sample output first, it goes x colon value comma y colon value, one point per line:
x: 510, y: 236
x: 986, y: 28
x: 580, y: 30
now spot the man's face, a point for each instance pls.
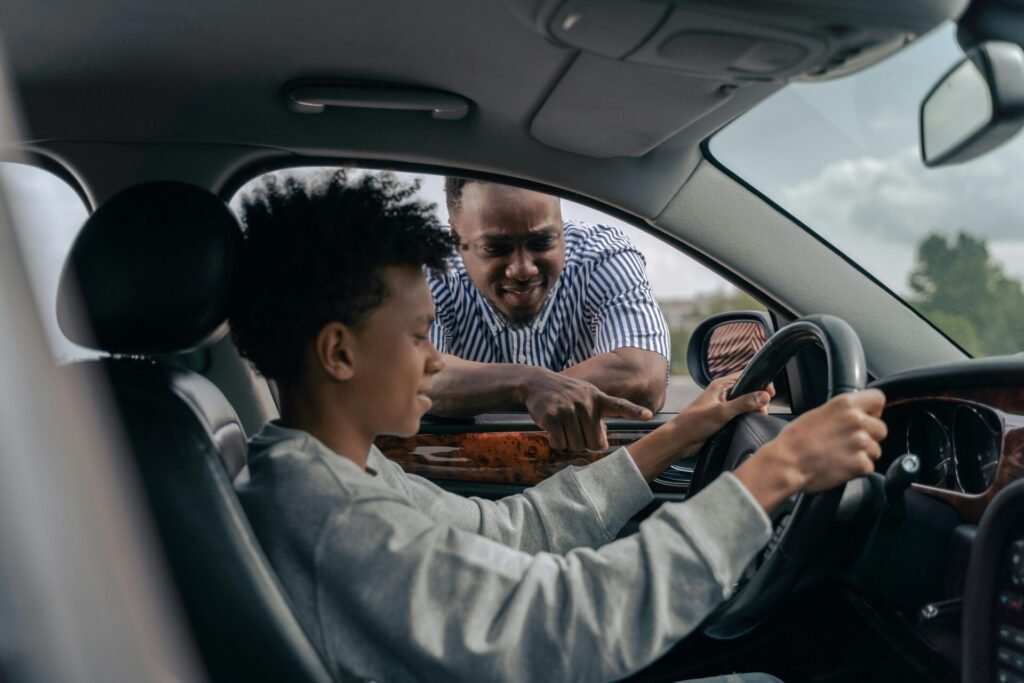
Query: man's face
x: 512, y: 244
x: 396, y: 360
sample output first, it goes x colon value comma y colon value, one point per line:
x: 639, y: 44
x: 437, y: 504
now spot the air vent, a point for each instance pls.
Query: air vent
x: 678, y: 475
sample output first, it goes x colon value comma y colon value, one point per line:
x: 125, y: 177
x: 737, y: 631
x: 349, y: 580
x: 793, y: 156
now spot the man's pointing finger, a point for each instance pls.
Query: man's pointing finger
x: 611, y: 406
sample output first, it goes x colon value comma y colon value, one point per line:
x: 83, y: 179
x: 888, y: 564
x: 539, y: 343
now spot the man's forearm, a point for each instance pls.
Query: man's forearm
x: 466, y: 387
x: 634, y: 374
x: 570, y: 410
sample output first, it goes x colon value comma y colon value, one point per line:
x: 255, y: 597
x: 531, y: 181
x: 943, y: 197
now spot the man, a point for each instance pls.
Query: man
x: 394, y: 579
x: 553, y: 317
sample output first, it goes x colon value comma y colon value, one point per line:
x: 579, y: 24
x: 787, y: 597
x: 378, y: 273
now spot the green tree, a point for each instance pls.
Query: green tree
x: 679, y: 338
x: 957, y: 285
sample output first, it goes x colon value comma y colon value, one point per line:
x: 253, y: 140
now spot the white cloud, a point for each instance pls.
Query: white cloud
x: 877, y: 209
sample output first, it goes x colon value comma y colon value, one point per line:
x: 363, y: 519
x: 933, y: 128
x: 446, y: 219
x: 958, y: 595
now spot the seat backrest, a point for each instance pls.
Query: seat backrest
x: 151, y: 270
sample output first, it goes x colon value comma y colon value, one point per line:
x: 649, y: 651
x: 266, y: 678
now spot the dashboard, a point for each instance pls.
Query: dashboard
x: 958, y: 442
x: 965, y: 421
x: 993, y: 627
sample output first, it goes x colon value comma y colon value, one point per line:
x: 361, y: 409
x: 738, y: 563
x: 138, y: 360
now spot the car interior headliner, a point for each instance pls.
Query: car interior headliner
x: 606, y: 98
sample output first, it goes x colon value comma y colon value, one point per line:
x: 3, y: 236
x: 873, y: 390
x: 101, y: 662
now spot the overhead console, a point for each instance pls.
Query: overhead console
x: 676, y: 62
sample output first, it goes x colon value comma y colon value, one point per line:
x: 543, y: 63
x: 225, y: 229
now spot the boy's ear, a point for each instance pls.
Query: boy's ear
x: 335, y: 350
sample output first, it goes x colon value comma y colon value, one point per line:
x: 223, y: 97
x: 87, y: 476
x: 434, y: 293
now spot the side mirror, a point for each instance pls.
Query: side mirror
x: 725, y: 343
x: 977, y: 106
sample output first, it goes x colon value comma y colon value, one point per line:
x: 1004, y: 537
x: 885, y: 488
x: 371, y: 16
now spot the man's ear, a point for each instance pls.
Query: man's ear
x: 455, y: 234
x: 335, y: 350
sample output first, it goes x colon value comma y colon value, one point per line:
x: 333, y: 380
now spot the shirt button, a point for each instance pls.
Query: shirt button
x: 522, y: 358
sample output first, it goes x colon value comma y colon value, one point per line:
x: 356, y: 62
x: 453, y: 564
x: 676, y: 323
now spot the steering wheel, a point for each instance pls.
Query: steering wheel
x: 800, y: 524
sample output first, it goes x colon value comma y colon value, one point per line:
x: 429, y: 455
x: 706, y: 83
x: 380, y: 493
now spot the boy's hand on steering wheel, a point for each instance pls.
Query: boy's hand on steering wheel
x: 712, y: 410
x: 681, y: 436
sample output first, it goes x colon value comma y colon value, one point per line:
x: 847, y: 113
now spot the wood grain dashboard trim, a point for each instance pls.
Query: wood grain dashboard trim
x: 523, y: 458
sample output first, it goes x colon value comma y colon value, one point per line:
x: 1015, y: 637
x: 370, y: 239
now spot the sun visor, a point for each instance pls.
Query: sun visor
x: 606, y: 108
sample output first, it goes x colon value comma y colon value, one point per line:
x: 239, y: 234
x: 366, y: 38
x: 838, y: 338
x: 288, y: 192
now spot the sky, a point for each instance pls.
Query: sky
x: 841, y: 156
x: 853, y: 171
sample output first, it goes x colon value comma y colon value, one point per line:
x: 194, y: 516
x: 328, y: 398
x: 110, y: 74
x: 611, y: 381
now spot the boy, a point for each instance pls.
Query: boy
x: 395, y: 579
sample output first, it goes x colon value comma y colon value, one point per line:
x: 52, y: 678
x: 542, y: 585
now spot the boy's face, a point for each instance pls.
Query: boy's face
x: 397, y: 361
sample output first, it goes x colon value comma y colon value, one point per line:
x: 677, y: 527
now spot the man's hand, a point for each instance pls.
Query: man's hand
x: 819, y: 450
x: 712, y: 410
x: 571, y: 410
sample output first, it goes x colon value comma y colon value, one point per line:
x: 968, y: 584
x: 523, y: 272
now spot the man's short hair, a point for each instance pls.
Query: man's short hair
x: 313, y: 254
x: 453, y: 187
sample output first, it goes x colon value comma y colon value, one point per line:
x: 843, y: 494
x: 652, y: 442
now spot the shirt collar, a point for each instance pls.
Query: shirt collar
x: 273, y: 432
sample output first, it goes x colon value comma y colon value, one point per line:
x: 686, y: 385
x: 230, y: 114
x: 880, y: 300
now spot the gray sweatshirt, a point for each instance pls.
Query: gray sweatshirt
x: 395, y: 579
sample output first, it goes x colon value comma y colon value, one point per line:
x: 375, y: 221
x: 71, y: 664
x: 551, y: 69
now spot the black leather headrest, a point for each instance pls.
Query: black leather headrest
x: 153, y: 267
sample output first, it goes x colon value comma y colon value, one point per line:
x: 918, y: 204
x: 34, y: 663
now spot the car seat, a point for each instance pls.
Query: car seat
x: 148, y: 275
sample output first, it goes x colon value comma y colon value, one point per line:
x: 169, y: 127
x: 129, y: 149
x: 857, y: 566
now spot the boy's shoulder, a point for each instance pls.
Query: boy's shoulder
x: 295, y: 470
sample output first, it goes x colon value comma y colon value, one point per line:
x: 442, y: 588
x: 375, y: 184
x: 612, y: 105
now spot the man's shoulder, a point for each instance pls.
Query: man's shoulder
x: 590, y: 242
x: 450, y: 286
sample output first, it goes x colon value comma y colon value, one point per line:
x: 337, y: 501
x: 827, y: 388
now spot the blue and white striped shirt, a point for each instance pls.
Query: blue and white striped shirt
x: 601, y: 302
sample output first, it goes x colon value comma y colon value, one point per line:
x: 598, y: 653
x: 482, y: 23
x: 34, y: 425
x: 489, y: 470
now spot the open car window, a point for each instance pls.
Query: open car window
x: 686, y: 291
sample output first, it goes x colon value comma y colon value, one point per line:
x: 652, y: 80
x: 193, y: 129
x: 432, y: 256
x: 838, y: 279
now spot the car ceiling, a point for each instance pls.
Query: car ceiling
x: 624, y: 127
x: 116, y: 93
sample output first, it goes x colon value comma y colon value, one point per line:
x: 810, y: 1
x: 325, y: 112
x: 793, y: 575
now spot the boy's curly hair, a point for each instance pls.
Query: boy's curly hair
x: 313, y: 253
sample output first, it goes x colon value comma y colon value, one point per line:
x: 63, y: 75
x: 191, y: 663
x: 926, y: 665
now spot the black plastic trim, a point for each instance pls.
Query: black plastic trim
x: 980, y: 372
x: 1004, y: 514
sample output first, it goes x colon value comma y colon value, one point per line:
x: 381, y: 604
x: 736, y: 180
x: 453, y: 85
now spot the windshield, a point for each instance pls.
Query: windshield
x: 842, y: 157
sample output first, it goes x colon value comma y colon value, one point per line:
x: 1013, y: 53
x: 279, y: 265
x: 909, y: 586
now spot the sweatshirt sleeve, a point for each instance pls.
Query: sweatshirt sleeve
x: 400, y: 597
x: 577, y: 507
